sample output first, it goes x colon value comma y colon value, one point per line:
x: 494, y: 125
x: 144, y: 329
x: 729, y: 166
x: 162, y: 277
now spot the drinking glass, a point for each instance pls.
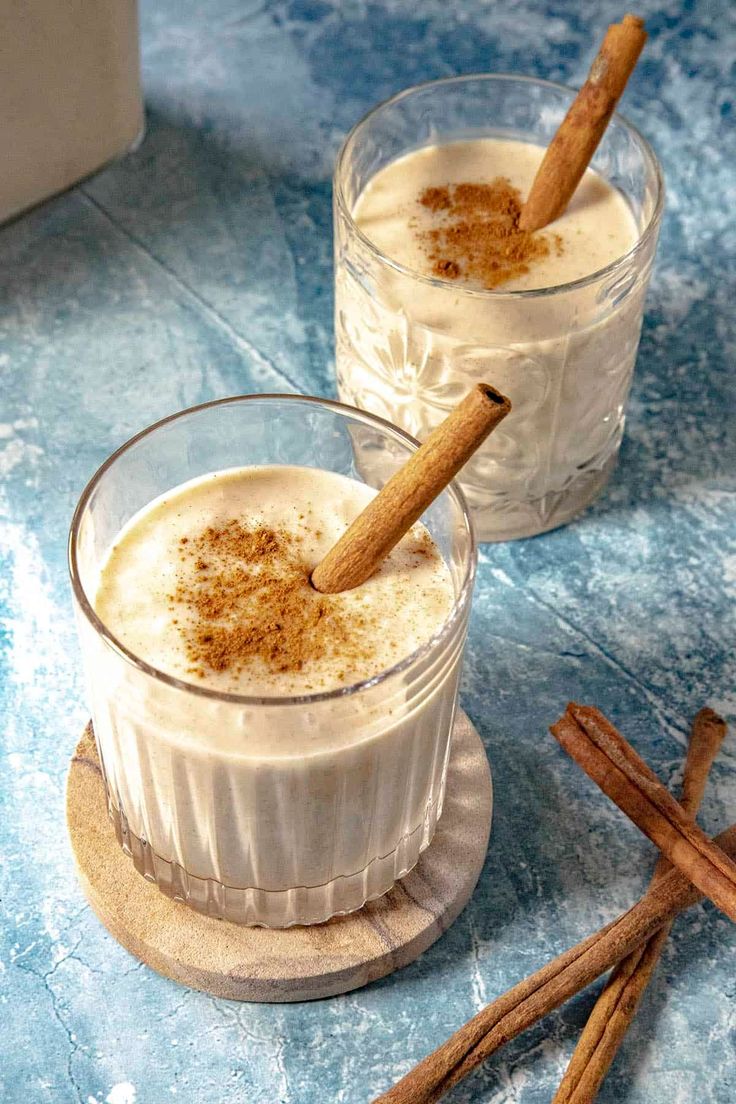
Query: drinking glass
x: 203, y: 787
x: 409, y: 346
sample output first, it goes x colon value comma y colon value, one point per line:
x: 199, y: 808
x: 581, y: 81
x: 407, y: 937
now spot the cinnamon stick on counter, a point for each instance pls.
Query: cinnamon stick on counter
x: 530, y: 1000
x: 612, y: 763
x: 408, y: 493
x: 619, y: 1000
x: 568, y: 154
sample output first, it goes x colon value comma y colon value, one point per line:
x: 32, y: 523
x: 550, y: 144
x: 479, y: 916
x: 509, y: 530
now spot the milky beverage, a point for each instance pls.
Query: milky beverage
x: 210, y: 585
x: 596, y: 228
x: 409, y: 344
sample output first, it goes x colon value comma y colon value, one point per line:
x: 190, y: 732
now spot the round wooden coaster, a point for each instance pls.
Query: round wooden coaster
x: 258, y: 964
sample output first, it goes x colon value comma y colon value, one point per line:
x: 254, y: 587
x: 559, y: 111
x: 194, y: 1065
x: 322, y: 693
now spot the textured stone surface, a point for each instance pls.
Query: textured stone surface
x: 201, y: 266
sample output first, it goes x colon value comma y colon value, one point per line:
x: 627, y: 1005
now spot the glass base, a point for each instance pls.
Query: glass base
x: 301, y: 905
x: 512, y: 520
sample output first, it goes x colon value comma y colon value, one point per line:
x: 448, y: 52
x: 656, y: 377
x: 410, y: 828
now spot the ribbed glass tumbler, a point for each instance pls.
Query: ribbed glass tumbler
x: 409, y: 346
x: 203, y: 788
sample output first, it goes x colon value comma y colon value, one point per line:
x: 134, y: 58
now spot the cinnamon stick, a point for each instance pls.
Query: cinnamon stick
x: 612, y: 763
x: 530, y: 1000
x: 619, y: 1000
x: 570, y: 151
x: 370, y: 538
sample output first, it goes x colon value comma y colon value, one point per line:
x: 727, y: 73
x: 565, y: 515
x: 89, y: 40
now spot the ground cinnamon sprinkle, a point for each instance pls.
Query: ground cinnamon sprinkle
x: 243, y: 595
x: 478, y: 235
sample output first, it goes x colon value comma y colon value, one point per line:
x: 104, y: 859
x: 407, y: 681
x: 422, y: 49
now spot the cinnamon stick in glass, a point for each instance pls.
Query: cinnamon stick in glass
x: 612, y: 763
x: 619, y: 1000
x: 570, y: 151
x: 540, y: 994
x: 385, y: 520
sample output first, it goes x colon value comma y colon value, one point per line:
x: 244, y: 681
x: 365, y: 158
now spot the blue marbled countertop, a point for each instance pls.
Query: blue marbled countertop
x: 199, y: 267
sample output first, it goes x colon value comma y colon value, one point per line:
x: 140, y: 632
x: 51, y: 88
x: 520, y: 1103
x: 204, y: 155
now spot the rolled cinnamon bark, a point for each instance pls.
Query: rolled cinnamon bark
x: 568, y: 154
x: 617, y: 1004
x: 548, y: 988
x: 370, y: 538
x: 612, y: 763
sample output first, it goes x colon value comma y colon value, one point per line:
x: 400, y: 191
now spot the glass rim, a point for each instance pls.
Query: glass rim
x: 460, y: 601
x: 489, y: 293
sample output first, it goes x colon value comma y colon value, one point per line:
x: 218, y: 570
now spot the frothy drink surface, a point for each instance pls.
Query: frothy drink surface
x: 396, y: 212
x: 211, y: 584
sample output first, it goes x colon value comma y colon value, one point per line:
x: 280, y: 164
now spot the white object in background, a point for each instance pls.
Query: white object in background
x: 70, y: 93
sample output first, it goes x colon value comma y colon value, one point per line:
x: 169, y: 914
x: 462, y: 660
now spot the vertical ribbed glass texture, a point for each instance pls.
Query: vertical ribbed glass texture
x: 203, y: 789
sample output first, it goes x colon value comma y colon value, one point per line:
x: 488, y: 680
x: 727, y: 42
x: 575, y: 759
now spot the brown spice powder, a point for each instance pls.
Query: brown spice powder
x: 243, y: 594
x: 478, y: 235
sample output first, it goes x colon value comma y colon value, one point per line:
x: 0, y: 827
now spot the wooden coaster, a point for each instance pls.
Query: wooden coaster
x: 258, y: 964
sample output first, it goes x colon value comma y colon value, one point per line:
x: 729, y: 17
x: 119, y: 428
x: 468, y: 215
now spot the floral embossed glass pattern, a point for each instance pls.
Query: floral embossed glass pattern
x: 408, y: 346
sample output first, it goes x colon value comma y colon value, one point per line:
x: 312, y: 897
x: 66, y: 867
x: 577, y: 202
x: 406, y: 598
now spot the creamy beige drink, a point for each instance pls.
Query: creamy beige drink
x: 270, y: 799
x: 417, y: 197
x: 444, y: 289
x: 211, y: 584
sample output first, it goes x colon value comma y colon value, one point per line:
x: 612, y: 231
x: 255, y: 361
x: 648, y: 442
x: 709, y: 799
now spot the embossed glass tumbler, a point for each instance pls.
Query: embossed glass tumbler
x: 408, y: 346
x: 272, y: 811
